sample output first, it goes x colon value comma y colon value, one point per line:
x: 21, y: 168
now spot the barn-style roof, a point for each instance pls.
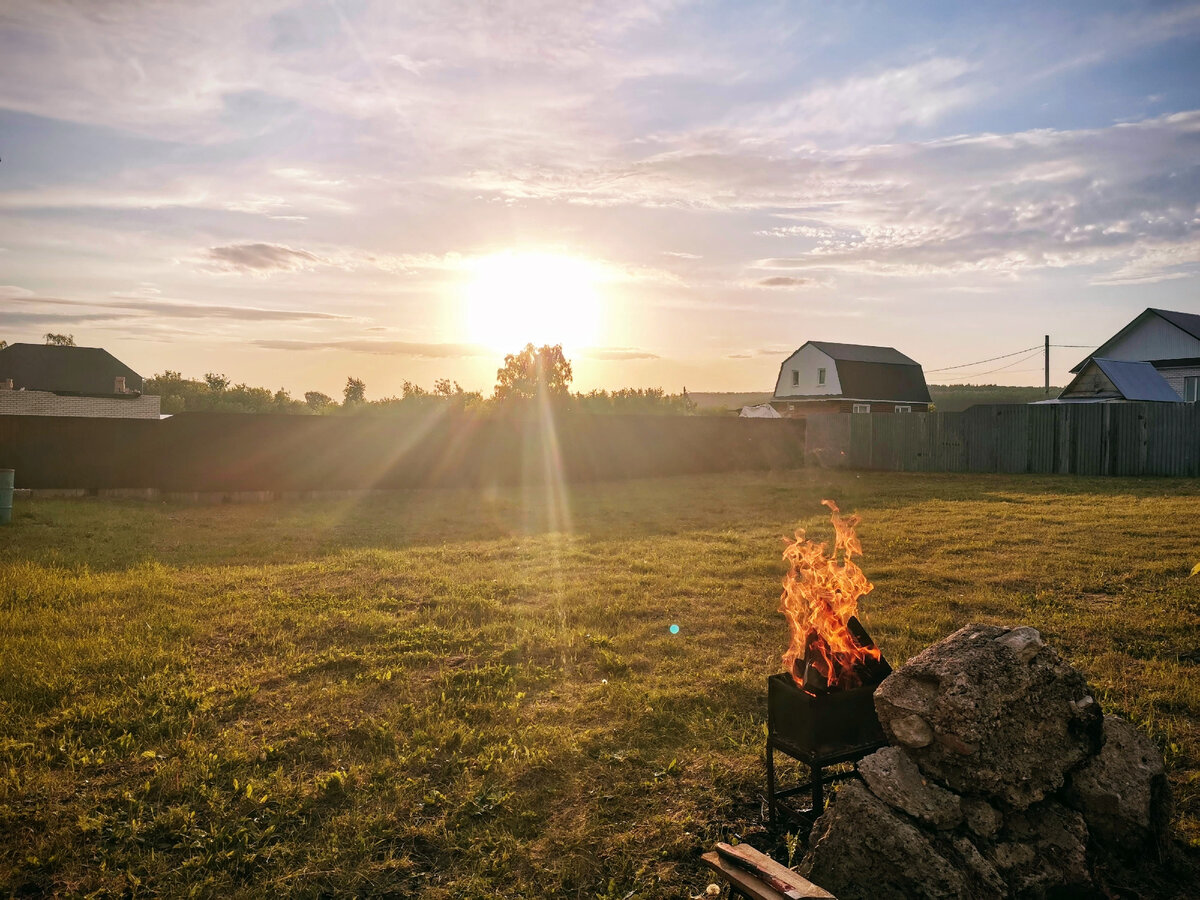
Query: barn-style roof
x: 65, y: 370
x: 866, y: 372
x: 863, y: 353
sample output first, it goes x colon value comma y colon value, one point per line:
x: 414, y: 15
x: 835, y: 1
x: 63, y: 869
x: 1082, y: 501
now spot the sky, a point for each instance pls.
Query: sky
x: 292, y: 193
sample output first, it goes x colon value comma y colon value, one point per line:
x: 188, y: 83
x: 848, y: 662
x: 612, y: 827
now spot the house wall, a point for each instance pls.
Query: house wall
x: 1091, y: 382
x: 807, y: 360
x: 793, y: 409
x: 1174, y: 377
x: 1155, y: 338
x: 47, y: 403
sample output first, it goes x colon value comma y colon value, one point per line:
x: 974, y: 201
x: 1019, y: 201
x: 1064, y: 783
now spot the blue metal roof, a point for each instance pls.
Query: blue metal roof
x: 1137, y: 380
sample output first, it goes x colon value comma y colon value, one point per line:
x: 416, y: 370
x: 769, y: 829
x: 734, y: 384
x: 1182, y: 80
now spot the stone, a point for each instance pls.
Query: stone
x: 895, y: 779
x: 1008, y: 717
x: 1025, y: 642
x: 912, y: 731
x: 1042, y: 851
x: 1123, y: 792
x: 862, y: 848
x: 981, y: 817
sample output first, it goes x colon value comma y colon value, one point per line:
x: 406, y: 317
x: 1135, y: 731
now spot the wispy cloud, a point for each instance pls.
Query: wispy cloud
x: 783, y: 281
x: 429, y: 350
x: 124, y: 307
x: 260, y: 258
x: 871, y: 105
x: 618, y: 353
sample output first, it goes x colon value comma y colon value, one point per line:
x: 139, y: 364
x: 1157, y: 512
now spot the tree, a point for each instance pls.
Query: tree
x: 59, y: 340
x: 354, y: 392
x: 317, y: 401
x: 216, y: 383
x: 534, y: 372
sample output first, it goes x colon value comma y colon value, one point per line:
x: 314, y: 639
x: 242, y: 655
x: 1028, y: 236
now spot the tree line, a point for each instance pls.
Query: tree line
x: 532, y: 375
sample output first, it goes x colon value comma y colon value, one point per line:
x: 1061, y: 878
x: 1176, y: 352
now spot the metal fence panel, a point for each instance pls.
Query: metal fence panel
x: 1043, y: 435
x: 1080, y: 439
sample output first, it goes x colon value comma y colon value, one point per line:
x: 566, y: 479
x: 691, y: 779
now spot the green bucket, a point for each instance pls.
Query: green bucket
x: 7, y: 479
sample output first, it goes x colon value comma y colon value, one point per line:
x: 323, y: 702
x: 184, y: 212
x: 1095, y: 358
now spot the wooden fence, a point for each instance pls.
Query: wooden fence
x: 215, y: 452
x: 1075, y: 439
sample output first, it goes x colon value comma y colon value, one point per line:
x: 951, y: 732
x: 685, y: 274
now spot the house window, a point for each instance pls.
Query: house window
x: 795, y: 377
x: 1191, y: 388
x: 903, y: 409
x: 820, y: 376
x: 862, y: 407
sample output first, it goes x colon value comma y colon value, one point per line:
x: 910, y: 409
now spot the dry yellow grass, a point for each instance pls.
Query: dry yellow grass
x: 433, y: 694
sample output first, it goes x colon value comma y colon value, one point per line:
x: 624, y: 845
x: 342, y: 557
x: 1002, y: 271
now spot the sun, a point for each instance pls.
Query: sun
x: 518, y: 298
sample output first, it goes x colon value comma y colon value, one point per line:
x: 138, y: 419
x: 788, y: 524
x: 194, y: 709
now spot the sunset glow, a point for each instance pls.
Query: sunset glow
x: 678, y: 193
x: 513, y: 299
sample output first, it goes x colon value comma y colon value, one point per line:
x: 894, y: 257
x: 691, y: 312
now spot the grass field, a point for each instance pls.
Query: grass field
x: 439, y: 694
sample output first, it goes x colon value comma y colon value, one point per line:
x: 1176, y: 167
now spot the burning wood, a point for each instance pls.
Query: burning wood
x: 829, y: 648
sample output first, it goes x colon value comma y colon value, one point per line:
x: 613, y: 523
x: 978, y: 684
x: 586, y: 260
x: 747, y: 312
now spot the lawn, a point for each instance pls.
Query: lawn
x: 460, y: 694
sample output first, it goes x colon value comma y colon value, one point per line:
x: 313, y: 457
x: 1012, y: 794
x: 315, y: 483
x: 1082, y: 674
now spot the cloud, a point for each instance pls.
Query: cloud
x: 260, y: 258
x: 618, y: 353
x: 785, y: 281
x: 761, y: 352
x: 122, y: 307
x: 875, y: 104
x: 381, y: 348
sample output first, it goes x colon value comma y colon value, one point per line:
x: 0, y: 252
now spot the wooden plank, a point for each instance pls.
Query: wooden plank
x: 801, y: 885
x: 742, y: 881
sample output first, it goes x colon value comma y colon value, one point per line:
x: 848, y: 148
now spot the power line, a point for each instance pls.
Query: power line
x: 980, y: 362
x: 1016, y: 362
x: 1037, y: 347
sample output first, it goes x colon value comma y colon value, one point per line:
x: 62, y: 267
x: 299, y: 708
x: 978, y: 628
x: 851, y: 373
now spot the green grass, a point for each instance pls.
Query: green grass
x: 435, y: 694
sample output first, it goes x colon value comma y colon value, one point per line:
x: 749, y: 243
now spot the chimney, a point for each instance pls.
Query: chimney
x: 119, y: 385
x: 6, y: 384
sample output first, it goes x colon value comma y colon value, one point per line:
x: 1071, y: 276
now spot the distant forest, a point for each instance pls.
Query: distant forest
x: 215, y: 393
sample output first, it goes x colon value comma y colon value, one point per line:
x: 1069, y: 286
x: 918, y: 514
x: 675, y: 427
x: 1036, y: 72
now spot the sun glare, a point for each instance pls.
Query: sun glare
x: 514, y: 299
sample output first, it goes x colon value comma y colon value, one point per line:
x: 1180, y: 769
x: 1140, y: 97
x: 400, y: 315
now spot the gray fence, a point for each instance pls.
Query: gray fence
x: 1076, y: 439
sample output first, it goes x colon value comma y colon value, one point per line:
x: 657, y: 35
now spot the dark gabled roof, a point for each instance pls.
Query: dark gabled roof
x: 863, y: 353
x: 882, y: 381
x: 65, y: 370
x: 1137, y: 380
x: 1189, y: 323
x: 1133, y: 380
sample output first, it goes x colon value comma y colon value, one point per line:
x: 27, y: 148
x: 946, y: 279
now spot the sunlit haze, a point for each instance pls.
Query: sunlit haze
x: 515, y: 298
x: 680, y: 193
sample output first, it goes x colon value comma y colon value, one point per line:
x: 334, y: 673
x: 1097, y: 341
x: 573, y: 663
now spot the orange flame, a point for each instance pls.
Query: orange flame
x: 820, y: 595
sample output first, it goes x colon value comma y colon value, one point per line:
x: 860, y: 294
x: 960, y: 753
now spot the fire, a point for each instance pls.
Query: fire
x: 820, y: 600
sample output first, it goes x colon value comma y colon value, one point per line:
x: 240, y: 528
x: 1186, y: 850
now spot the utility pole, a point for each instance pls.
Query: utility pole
x: 1047, y: 355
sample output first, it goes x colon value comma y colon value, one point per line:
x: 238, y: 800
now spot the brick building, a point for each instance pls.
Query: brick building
x: 49, y: 380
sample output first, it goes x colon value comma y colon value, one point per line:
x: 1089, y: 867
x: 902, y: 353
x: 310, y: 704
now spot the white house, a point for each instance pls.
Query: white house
x: 1168, y: 340
x: 827, y: 377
